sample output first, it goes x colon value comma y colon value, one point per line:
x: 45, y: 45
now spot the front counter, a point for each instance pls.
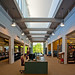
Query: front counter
x: 36, y: 68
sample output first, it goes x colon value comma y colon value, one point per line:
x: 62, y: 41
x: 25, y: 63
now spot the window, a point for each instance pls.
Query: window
x: 38, y: 47
x: 20, y: 4
x: 17, y: 1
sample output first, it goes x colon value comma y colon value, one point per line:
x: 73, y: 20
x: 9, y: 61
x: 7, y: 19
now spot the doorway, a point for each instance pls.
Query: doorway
x: 4, y: 48
x: 49, y: 49
x: 71, y: 48
x: 18, y: 49
x: 26, y: 48
x: 38, y: 48
x: 57, y: 47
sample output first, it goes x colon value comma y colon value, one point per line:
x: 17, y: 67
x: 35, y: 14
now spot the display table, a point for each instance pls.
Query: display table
x: 38, y: 67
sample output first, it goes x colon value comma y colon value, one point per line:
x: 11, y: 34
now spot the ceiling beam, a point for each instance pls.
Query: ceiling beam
x: 38, y: 29
x: 39, y: 20
x: 38, y: 38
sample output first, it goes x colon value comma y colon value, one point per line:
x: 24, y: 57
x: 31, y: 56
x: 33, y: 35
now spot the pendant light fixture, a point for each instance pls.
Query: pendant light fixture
x: 22, y: 34
x: 53, y: 34
x: 62, y: 23
x: 13, y: 23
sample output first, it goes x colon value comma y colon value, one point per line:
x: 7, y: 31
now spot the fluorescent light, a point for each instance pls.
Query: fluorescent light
x: 53, y: 34
x: 22, y: 33
x: 13, y: 24
x: 62, y: 25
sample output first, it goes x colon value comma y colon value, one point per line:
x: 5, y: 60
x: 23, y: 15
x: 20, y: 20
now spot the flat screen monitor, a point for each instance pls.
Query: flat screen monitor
x: 31, y: 56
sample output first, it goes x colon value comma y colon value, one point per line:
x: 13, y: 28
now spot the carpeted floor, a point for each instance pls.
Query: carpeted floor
x: 54, y: 68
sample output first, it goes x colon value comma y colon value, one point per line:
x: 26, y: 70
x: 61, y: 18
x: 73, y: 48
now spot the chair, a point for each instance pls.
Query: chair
x: 22, y: 64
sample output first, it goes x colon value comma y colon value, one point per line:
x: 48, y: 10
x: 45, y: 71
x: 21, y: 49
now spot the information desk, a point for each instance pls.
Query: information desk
x: 36, y: 68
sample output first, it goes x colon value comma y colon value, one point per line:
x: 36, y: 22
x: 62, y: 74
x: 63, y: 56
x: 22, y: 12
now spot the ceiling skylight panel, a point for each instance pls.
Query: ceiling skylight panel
x: 37, y: 25
x: 38, y: 32
x: 38, y: 35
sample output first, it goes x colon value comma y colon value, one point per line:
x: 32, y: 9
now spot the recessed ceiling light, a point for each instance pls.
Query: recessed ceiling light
x: 13, y: 24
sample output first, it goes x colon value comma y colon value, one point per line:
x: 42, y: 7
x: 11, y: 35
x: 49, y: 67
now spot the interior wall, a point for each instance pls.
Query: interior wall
x: 12, y: 32
x: 69, y: 22
x: 61, y: 32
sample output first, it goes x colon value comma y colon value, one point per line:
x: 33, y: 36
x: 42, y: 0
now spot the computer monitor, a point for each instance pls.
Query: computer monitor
x: 31, y: 56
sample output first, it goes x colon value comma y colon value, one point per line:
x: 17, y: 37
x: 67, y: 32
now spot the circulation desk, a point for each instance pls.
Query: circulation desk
x: 36, y: 67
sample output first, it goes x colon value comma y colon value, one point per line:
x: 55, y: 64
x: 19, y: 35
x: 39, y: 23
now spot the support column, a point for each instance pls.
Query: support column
x: 11, y: 50
x: 24, y: 49
x: 43, y: 48
x: 52, y: 49
x: 47, y: 49
x: 31, y: 50
x: 28, y: 47
x: 64, y: 48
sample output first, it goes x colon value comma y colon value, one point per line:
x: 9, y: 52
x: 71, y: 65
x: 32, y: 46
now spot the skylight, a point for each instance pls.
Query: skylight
x: 37, y: 25
x: 41, y: 9
x: 38, y: 32
x: 38, y: 35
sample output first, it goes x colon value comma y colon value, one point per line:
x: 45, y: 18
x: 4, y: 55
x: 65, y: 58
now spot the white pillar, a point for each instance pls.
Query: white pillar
x: 52, y: 49
x: 47, y: 49
x: 31, y: 50
x: 47, y: 46
x: 11, y: 50
x: 24, y: 49
x: 43, y: 48
x: 64, y: 48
